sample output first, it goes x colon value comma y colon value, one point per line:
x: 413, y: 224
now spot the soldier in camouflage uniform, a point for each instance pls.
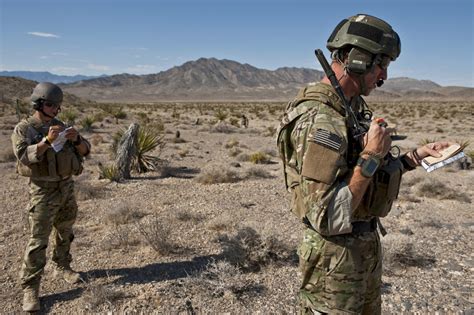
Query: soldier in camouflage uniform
x: 341, y: 185
x: 52, y: 205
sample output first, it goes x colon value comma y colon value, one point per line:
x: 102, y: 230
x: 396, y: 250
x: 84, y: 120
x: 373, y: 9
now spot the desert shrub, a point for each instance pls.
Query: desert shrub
x: 183, y: 153
x: 96, y: 295
x: 119, y: 114
x: 257, y: 172
x: 175, y: 114
x: 221, y: 223
x: 85, y: 191
x: 7, y: 155
x: 259, y: 158
x: 269, y: 131
x: 68, y: 116
x: 187, y: 216
x: 234, y: 151
x: 220, y: 115
x: 243, y: 157
x: 234, y: 122
x: 221, y: 279
x: 157, y: 234
x: 399, y: 252
x: 87, y: 123
x: 231, y: 143
x: 217, y: 175
x: 433, y: 188
x: 109, y: 172
x: 222, y: 127
x: 250, y: 251
x: 123, y: 213
x: 120, y: 236
x: 98, y: 116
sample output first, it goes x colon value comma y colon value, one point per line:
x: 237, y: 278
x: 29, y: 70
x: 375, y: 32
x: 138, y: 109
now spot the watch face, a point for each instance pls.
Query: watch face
x: 371, y: 166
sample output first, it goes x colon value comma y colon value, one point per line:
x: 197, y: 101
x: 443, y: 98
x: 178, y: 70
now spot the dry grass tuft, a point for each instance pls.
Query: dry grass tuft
x: 433, y: 188
x: 400, y: 252
x: 250, y: 251
x: 218, y: 175
x: 7, y: 155
x: 123, y: 214
x: 257, y: 172
x: 157, y: 234
x: 96, y: 295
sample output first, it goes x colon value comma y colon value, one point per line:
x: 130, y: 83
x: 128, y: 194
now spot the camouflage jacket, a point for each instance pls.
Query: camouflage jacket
x: 316, y: 151
x: 50, y: 166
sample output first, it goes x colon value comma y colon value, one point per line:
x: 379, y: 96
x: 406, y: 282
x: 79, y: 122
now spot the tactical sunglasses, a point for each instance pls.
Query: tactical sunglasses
x: 383, y: 61
x: 53, y: 105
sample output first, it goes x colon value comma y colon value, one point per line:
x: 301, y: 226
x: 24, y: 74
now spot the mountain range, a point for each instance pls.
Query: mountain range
x: 42, y: 76
x: 210, y: 79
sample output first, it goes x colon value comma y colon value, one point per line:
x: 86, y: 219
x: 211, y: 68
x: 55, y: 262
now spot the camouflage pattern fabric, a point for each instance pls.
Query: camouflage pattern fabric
x: 52, y: 208
x: 341, y: 270
x: 341, y: 274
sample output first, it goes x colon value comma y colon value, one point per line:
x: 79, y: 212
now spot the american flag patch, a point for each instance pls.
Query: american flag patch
x: 327, y: 139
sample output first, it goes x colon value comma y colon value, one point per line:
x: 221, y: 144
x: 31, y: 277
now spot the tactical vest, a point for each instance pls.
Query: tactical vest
x: 309, y: 98
x: 53, y: 164
x: 385, y: 185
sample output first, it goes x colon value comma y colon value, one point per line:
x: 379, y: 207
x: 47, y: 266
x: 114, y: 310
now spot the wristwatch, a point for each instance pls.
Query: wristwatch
x: 46, y: 140
x: 369, y: 165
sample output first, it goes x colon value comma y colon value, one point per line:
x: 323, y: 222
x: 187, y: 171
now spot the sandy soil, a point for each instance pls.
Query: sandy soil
x: 164, y: 242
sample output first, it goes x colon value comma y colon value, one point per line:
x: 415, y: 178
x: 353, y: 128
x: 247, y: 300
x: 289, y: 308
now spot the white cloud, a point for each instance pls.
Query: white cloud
x: 43, y: 57
x: 98, y: 67
x: 59, y: 54
x: 41, y: 34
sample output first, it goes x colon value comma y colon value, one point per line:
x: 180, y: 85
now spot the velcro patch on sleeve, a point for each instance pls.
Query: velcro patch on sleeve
x: 327, y: 139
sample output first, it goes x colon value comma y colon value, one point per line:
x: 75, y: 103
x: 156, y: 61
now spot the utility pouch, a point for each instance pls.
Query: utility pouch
x: 384, y: 188
x: 68, y: 163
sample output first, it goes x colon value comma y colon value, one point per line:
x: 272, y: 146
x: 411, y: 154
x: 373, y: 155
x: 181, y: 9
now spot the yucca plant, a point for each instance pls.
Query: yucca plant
x: 148, y: 139
x: 109, y: 172
x: 68, y: 116
x: 86, y: 123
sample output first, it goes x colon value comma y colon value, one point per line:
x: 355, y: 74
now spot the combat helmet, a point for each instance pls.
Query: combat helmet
x: 367, y: 32
x: 46, y: 91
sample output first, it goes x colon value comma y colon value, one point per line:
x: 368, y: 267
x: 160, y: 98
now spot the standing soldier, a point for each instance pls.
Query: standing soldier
x: 343, y: 180
x: 244, y: 121
x: 52, y: 203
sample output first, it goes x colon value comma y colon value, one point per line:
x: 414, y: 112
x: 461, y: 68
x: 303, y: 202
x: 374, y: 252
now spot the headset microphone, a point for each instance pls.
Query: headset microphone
x: 379, y: 83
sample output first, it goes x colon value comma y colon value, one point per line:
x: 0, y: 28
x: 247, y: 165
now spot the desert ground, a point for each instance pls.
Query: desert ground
x: 210, y: 231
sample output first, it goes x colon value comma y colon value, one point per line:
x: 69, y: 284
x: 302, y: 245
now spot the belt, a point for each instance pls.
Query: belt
x: 360, y: 227
x: 49, y: 184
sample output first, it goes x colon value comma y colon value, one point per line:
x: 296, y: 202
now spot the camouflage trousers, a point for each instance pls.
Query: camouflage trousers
x: 52, y: 208
x: 341, y: 274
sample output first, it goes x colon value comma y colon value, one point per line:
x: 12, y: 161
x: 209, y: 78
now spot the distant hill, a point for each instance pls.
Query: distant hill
x: 210, y: 79
x: 203, y: 79
x: 13, y: 88
x: 45, y: 76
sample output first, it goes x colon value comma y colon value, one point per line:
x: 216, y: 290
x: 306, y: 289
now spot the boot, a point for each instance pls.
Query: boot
x: 67, y: 274
x: 31, y: 301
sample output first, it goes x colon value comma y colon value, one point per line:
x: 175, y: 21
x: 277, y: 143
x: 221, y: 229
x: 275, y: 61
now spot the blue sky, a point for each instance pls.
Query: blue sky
x: 93, y: 37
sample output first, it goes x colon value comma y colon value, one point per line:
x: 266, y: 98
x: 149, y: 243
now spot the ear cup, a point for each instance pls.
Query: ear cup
x: 38, y: 105
x: 359, y: 61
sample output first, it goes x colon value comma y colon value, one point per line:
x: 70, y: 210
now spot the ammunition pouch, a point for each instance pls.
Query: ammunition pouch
x: 64, y: 163
x: 383, y: 189
x: 68, y: 163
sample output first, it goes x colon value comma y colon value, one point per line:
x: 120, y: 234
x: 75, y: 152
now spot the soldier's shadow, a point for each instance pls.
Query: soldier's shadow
x: 155, y: 272
x: 136, y: 275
